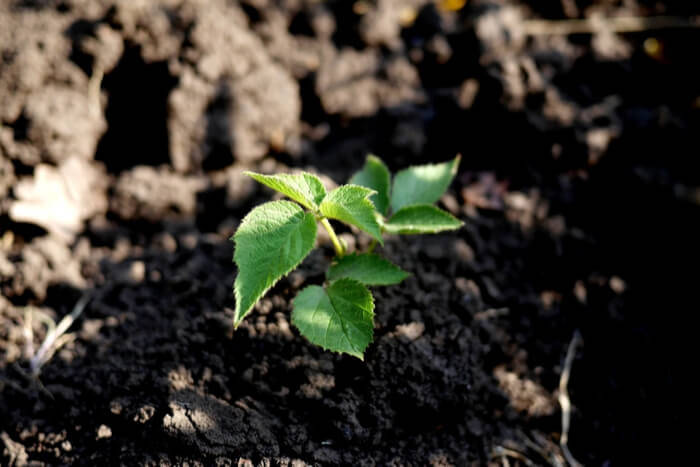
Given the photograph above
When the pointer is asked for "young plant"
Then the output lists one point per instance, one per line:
(276, 236)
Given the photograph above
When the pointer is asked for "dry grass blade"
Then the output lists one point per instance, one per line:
(503, 453)
(55, 338)
(564, 400)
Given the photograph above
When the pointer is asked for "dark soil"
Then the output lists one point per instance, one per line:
(124, 131)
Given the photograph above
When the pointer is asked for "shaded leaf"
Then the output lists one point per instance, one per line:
(271, 241)
(421, 219)
(339, 318)
(375, 175)
(306, 189)
(370, 269)
(351, 204)
(422, 184)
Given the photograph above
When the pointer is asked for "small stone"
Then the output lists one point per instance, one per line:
(137, 271)
(451, 204)
(104, 432)
(410, 331)
(144, 414)
(296, 279)
(439, 46)
(467, 93)
(617, 285)
(189, 241)
(155, 276)
(116, 407)
(167, 242)
(465, 253)
(580, 291)
(556, 225)
(467, 286)
(492, 289)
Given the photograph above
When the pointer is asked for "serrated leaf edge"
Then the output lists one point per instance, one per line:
(366, 199)
(377, 159)
(387, 223)
(407, 274)
(453, 172)
(236, 292)
(313, 205)
(361, 355)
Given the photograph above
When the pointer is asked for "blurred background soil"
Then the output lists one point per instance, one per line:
(125, 127)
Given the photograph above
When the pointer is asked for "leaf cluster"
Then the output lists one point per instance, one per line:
(276, 236)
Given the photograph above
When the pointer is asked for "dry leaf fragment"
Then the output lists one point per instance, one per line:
(60, 198)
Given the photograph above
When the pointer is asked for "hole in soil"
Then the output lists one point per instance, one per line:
(346, 32)
(209, 211)
(412, 419)
(311, 108)
(20, 128)
(251, 12)
(77, 30)
(218, 135)
(32, 4)
(301, 26)
(425, 26)
(84, 61)
(27, 297)
(21, 168)
(111, 18)
(136, 114)
(62, 298)
(23, 231)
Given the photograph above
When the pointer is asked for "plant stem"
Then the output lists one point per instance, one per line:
(339, 250)
(370, 249)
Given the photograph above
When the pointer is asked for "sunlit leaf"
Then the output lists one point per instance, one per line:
(306, 189)
(422, 184)
(270, 242)
(351, 204)
(375, 175)
(421, 219)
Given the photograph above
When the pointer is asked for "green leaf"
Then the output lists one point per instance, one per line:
(421, 219)
(350, 204)
(339, 318)
(422, 184)
(369, 269)
(271, 241)
(375, 175)
(306, 189)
